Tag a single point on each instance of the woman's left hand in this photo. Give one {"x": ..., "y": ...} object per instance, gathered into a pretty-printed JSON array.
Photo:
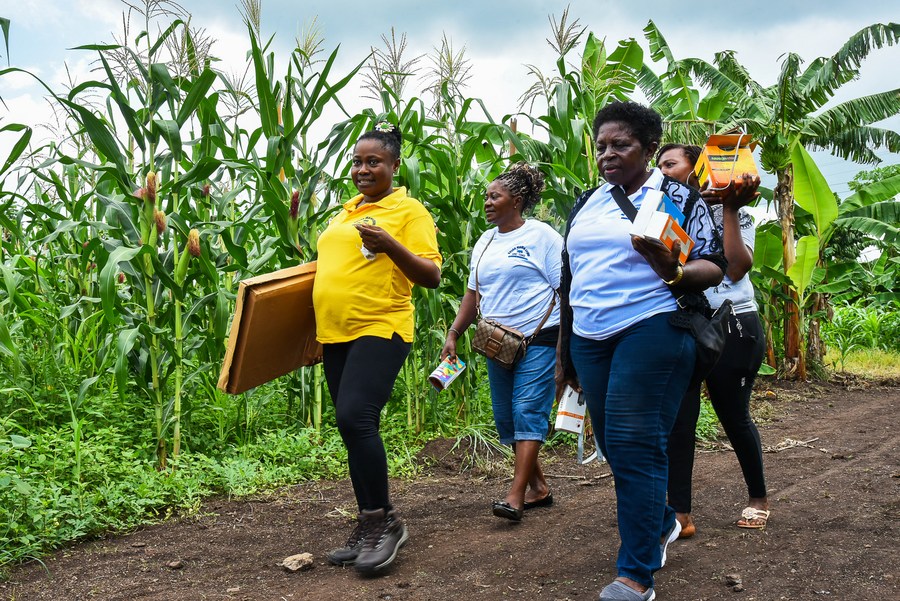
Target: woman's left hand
[
  {"x": 375, "y": 238},
  {"x": 419, "y": 270},
  {"x": 739, "y": 193},
  {"x": 663, "y": 260}
]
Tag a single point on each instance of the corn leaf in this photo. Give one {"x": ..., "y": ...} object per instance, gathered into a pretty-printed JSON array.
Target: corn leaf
[
  {"x": 124, "y": 345},
  {"x": 108, "y": 278}
]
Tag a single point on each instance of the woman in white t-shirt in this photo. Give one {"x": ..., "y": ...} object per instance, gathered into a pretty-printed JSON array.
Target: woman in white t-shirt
[
  {"x": 515, "y": 268},
  {"x": 730, "y": 382}
]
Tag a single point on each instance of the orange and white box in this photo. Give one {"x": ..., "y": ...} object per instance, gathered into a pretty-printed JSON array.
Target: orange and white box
[
  {"x": 661, "y": 225},
  {"x": 724, "y": 159},
  {"x": 571, "y": 410}
]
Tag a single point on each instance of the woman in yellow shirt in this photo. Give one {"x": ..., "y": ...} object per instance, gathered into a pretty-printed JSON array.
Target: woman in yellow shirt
[{"x": 370, "y": 255}]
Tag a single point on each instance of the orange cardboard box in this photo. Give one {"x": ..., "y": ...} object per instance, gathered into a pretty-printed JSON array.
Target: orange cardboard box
[
  {"x": 725, "y": 158},
  {"x": 273, "y": 331},
  {"x": 660, "y": 224},
  {"x": 665, "y": 228}
]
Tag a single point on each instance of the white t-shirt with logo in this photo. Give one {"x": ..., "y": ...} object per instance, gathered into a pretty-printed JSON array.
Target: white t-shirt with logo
[
  {"x": 517, "y": 274},
  {"x": 741, "y": 291}
]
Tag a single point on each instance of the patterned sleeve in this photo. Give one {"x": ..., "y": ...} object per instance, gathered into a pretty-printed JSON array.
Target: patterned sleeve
[
  {"x": 700, "y": 227},
  {"x": 748, "y": 228},
  {"x": 699, "y": 224}
]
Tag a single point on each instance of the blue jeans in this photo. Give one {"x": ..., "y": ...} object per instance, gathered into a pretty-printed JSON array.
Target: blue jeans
[
  {"x": 633, "y": 384},
  {"x": 522, "y": 397}
]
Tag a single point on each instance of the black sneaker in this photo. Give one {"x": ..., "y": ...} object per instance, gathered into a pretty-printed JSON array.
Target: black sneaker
[
  {"x": 386, "y": 533},
  {"x": 346, "y": 555}
]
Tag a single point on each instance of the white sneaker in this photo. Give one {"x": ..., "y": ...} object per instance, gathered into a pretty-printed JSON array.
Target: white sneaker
[{"x": 673, "y": 534}]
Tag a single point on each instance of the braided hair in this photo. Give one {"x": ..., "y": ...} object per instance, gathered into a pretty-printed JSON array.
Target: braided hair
[
  {"x": 524, "y": 181},
  {"x": 389, "y": 136}
]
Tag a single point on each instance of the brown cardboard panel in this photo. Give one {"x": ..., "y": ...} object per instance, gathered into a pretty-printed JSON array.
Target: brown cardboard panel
[{"x": 273, "y": 331}]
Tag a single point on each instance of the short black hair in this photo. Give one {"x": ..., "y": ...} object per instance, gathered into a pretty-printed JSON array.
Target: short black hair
[
  {"x": 525, "y": 181},
  {"x": 644, "y": 122},
  {"x": 388, "y": 134},
  {"x": 691, "y": 151}
]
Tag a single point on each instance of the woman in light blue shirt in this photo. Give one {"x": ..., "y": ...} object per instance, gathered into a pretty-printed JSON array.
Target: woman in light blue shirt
[{"x": 618, "y": 292}]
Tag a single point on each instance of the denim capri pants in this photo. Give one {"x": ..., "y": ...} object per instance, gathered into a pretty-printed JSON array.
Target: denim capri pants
[{"x": 522, "y": 397}]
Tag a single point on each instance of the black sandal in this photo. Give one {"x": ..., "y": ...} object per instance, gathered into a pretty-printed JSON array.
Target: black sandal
[
  {"x": 502, "y": 509},
  {"x": 545, "y": 502}
]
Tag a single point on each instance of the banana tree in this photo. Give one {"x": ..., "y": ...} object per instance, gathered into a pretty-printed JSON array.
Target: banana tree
[
  {"x": 688, "y": 118},
  {"x": 872, "y": 212},
  {"x": 794, "y": 112}
]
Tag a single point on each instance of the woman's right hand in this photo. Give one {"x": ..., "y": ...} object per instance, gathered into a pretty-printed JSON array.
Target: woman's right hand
[
  {"x": 562, "y": 380},
  {"x": 739, "y": 193},
  {"x": 449, "y": 349},
  {"x": 742, "y": 192}
]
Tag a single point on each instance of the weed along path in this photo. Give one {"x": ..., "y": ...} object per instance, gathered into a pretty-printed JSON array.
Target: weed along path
[{"x": 833, "y": 467}]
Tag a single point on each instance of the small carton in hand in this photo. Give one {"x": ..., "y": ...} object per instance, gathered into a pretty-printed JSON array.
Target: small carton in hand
[
  {"x": 660, "y": 219},
  {"x": 446, "y": 372},
  {"x": 571, "y": 410},
  {"x": 724, "y": 159}
]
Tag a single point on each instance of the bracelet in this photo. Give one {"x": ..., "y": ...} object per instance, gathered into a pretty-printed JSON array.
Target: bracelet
[
  {"x": 455, "y": 331},
  {"x": 679, "y": 273}
]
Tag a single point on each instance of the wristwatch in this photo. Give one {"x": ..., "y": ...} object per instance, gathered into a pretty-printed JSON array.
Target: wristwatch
[{"x": 679, "y": 273}]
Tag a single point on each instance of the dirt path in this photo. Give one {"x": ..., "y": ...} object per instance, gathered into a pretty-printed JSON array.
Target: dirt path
[{"x": 833, "y": 532}]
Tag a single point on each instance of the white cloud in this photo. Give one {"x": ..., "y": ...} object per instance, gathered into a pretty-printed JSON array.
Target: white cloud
[
  {"x": 18, "y": 81},
  {"x": 76, "y": 70},
  {"x": 107, "y": 12},
  {"x": 30, "y": 110},
  {"x": 230, "y": 46},
  {"x": 34, "y": 14}
]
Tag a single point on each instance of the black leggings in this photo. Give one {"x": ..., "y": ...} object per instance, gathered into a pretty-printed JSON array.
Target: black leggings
[
  {"x": 729, "y": 386},
  {"x": 360, "y": 376}
]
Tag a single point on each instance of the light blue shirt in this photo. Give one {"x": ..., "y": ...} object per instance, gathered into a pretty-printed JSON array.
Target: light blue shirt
[{"x": 613, "y": 286}]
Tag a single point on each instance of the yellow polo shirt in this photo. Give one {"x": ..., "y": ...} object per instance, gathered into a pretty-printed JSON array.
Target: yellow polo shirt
[{"x": 355, "y": 297}]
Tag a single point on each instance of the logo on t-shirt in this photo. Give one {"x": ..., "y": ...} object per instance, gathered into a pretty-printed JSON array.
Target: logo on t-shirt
[
  {"x": 518, "y": 252},
  {"x": 365, "y": 221}
]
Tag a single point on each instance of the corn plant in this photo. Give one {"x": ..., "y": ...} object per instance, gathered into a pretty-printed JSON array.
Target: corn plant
[{"x": 152, "y": 270}]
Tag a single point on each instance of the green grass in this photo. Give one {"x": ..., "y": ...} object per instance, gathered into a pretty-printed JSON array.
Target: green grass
[
  {"x": 74, "y": 465},
  {"x": 707, "y": 423},
  {"x": 56, "y": 487},
  {"x": 868, "y": 363}
]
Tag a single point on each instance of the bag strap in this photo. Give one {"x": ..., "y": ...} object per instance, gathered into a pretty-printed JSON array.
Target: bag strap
[
  {"x": 478, "y": 294},
  {"x": 544, "y": 320},
  {"x": 477, "y": 265},
  {"x": 624, "y": 202}
]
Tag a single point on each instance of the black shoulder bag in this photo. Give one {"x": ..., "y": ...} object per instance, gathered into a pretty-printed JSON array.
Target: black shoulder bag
[{"x": 710, "y": 330}]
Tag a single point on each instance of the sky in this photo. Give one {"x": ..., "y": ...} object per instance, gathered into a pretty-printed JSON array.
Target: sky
[{"x": 500, "y": 38}]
